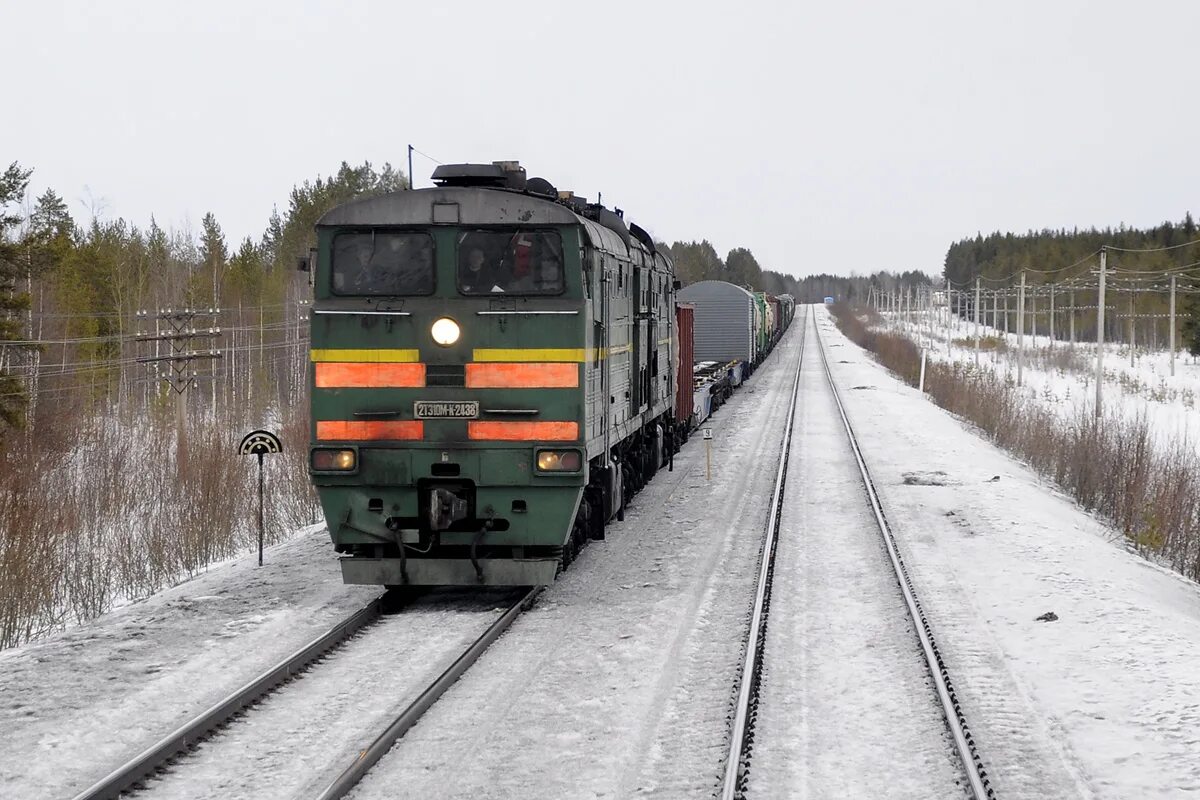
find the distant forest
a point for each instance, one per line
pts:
(1137, 263)
(1004, 255)
(698, 261)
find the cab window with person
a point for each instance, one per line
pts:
(383, 263)
(520, 262)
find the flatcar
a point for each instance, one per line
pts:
(493, 375)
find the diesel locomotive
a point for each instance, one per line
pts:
(493, 374)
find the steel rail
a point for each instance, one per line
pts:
(955, 720)
(369, 756)
(186, 736)
(741, 735)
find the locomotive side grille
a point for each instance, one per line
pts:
(445, 375)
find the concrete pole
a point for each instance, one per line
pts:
(1071, 317)
(977, 322)
(1021, 331)
(1033, 317)
(1100, 332)
(949, 327)
(1132, 329)
(1052, 316)
(1171, 326)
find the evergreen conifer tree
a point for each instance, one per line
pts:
(13, 399)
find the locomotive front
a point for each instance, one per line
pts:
(449, 339)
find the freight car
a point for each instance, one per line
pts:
(493, 376)
(728, 321)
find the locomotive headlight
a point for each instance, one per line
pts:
(445, 331)
(558, 461)
(333, 460)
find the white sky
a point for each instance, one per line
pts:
(830, 137)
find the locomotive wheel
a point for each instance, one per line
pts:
(594, 517)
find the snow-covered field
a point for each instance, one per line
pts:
(618, 683)
(1062, 377)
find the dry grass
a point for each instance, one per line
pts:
(1110, 466)
(987, 344)
(94, 511)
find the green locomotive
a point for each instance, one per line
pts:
(493, 375)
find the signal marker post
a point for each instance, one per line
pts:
(708, 454)
(259, 443)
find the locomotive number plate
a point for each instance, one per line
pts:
(445, 409)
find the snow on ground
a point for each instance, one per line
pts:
(300, 738)
(1105, 701)
(847, 707)
(75, 706)
(619, 682)
(1062, 377)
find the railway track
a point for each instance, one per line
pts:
(739, 755)
(157, 760)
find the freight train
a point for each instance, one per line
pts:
(495, 370)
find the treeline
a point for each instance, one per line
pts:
(855, 288)
(699, 261)
(71, 293)
(1067, 258)
(1004, 255)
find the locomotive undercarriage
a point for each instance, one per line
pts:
(635, 461)
(450, 531)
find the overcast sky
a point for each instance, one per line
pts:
(830, 137)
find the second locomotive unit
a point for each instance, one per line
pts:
(493, 374)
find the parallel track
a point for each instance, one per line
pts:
(159, 756)
(741, 737)
(741, 740)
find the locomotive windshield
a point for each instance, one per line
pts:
(510, 262)
(383, 263)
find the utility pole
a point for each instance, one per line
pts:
(1052, 316)
(949, 328)
(976, 322)
(1033, 316)
(1132, 329)
(1100, 331)
(1071, 317)
(1021, 331)
(180, 335)
(1172, 326)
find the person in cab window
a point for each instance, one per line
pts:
(476, 276)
